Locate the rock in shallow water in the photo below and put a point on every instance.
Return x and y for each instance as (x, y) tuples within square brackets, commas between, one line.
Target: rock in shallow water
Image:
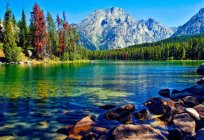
[(165, 93), (175, 134), (122, 114), (195, 91), (201, 70), (159, 106), (143, 115), (107, 107), (135, 132), (185, 123), (201, 81)]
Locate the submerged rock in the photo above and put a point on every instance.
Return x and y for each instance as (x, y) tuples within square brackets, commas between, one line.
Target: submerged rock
[(200, 123), (165, 93), (107, 107), (185, 123), (143, 115), (201, 81), (135, 132), (200, 109), (195, 91), (122, 114), (201, 70)]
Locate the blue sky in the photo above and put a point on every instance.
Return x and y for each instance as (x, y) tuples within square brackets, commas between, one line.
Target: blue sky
[(167, 12)]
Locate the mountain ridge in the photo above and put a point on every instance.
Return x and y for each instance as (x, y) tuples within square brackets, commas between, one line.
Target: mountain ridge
[(113, 28)]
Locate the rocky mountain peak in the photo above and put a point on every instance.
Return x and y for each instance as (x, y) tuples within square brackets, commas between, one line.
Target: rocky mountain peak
[(113, 28)]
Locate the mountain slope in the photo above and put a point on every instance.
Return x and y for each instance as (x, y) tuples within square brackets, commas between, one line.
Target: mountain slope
[(113, 28), (194, 26)]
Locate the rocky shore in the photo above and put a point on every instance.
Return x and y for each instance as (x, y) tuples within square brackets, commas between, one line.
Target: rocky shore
[(176, 115)]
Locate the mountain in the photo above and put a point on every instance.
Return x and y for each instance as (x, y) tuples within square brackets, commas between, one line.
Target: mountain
[(194, 26), (113, 28)]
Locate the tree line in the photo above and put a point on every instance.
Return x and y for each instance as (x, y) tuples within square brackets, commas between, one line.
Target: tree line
[(171, 49), (45, 37)]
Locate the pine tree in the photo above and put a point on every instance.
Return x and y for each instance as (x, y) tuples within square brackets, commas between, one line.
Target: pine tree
[(61, 37), (52, 39), (39, 31), (1, 31), (10, 48), (23, 32)]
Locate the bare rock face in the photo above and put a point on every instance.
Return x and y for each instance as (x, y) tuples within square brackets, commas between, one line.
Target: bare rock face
[(113, 28), (194, 26), (135, 132), (185, 123)]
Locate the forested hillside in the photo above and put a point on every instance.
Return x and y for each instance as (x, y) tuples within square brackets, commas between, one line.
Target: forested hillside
[(179, 48)]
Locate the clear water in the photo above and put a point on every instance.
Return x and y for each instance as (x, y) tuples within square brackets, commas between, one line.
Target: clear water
[(62, 94)]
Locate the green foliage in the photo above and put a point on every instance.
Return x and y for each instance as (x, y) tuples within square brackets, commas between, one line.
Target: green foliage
[(10, 48), (23, 32), (190, 49)]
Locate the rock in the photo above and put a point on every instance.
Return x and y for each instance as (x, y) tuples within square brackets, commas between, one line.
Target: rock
[(175, 134), (135, 132), (201, 70), (201, 81), (200, 134), (122, 114), (200, 123), (195, 91), (165, 93), (107, 107), (96, 134), (89, 120), (185, 123), (159, 106), (167, 116), (200, 109), (193, 113), (30, 54), (79, 129), (143, 115), (190, 101)]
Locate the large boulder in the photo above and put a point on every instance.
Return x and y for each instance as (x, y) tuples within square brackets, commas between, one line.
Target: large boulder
[(201, 70), (135, 132), (122, 114), (159, 106), (165, 93), (195, 91), (200, 109), (185, 123)]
